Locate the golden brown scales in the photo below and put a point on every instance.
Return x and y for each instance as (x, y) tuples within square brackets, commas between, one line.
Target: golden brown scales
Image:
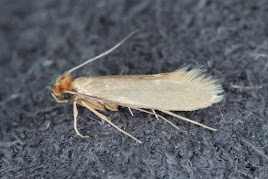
[(62, 84)]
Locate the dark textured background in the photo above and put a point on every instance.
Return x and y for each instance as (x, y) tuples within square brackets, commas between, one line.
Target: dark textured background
[(39, 40)]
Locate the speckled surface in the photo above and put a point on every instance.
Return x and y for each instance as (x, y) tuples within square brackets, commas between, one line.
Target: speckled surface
[(39, 40)]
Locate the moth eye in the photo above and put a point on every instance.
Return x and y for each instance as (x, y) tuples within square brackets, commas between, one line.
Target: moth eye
[(66, 96)]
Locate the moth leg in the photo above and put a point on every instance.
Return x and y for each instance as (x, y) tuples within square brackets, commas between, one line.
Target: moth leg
[(188, 120), (130, 111), (111, 107), (121, 73), (162, 117), (155, 114), (58, 101), (93, 104), (122, 70), (75, 111), (112, 124)]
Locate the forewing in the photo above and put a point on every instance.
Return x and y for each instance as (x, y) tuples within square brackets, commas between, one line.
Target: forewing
[(179, 91)]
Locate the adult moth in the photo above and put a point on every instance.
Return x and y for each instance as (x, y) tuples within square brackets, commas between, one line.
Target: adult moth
[(182, 90)]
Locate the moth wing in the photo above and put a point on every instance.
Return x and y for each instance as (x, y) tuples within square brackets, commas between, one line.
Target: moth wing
[(181, 90)]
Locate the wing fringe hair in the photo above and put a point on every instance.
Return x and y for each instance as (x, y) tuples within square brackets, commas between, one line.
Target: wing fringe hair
[(197, 78)]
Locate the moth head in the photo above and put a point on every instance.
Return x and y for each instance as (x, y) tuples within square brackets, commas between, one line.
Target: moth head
[(62, 85)]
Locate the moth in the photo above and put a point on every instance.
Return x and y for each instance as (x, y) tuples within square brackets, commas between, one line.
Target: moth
[(182, 90)]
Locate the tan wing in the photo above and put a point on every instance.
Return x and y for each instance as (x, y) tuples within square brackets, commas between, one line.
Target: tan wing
[(179, 91)]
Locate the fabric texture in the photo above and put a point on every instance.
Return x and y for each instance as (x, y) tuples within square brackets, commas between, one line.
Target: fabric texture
[(40, 40)]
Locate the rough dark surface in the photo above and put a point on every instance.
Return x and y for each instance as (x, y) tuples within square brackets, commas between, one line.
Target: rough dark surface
[(39, 40)]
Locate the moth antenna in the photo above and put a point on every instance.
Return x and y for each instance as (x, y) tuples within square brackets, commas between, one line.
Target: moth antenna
[(108, 51), (188, 120)]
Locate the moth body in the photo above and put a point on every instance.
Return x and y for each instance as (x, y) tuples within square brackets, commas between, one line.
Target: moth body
[(181, 90)]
